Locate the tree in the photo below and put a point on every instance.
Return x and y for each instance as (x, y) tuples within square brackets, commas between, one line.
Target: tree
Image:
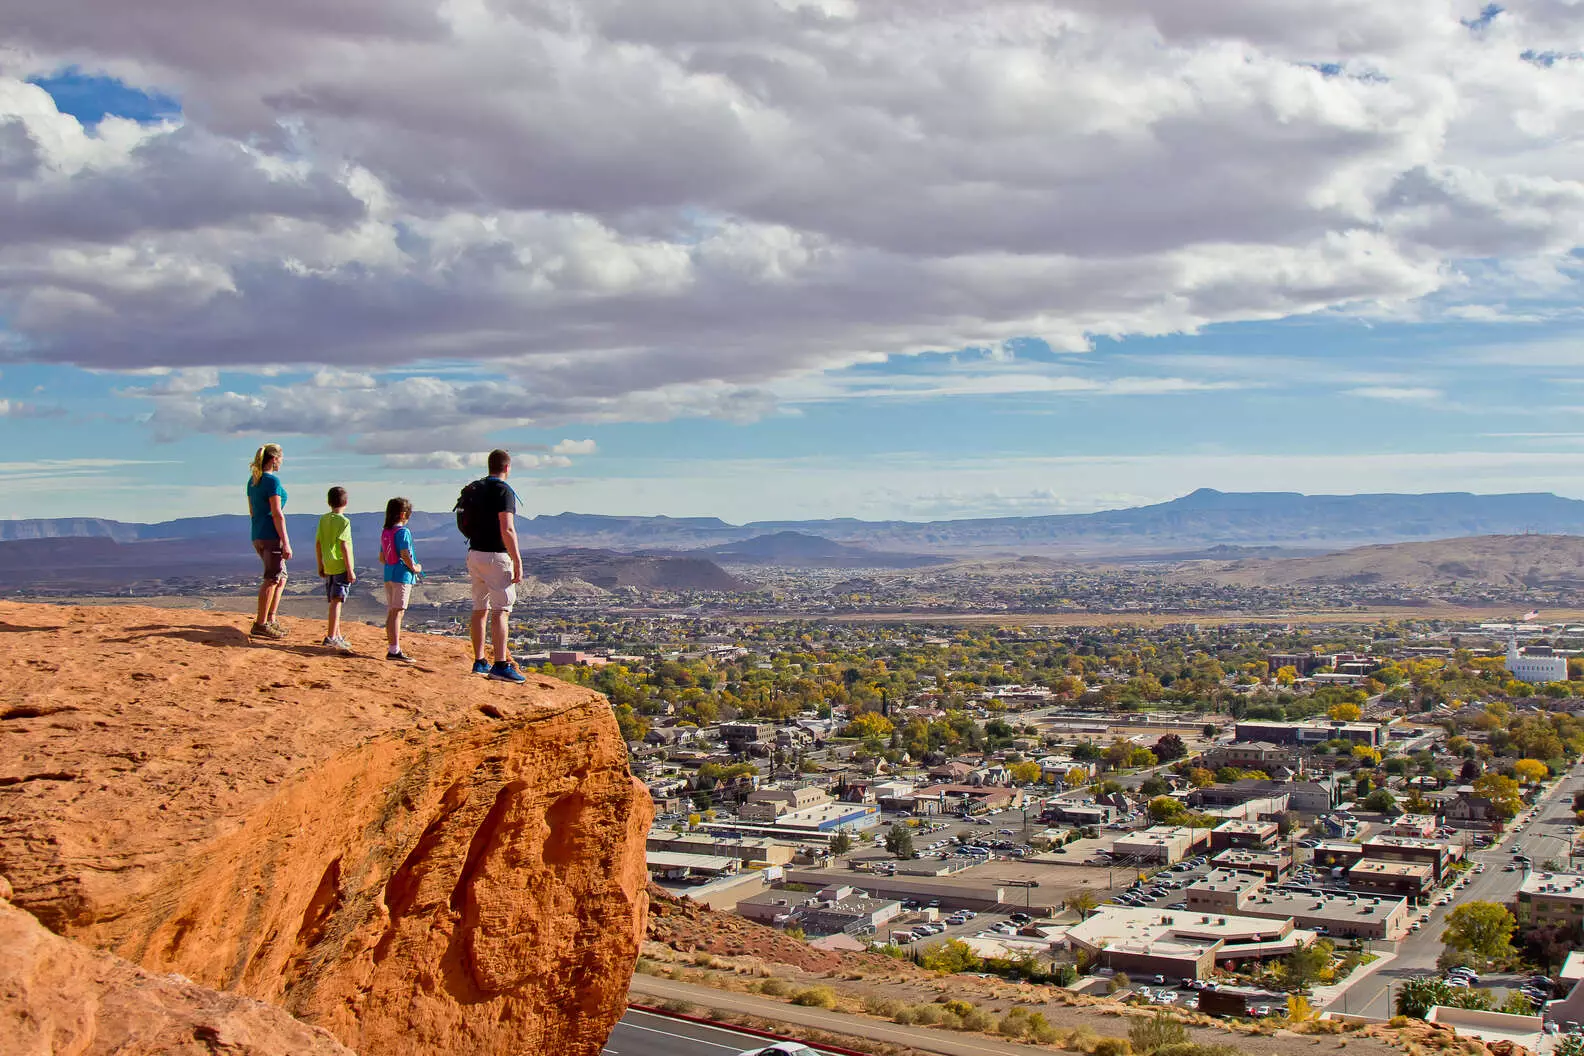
[(1210, 731), (1517, 1004), (1082, 903), (841, 843), (1166, 809), (1154, 785), (1170, 748), (1380, 801), (1299, 1009), (1502, 792), (953, 955), (1549, 945), (869, 724), (1024, 773), (1199, 777), (1484, 929), (899, 841), (1530, 771), (1345, 712), (1304, 965), (1156, 1032), (1076, 776), (1419, 994), (1363, 753)]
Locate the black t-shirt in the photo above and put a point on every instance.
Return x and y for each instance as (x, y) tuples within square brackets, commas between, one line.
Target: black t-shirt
[(492, 499)]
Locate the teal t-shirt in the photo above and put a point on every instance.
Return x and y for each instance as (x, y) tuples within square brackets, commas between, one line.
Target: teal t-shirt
[(259, 506)]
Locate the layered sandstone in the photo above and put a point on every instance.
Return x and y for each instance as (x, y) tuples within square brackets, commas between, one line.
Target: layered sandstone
[(413, 858)]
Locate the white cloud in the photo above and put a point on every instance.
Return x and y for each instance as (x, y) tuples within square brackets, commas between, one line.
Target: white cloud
[(640, 210), (1403, 395), (576, 447)]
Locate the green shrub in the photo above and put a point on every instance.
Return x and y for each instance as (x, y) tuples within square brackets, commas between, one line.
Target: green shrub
[(978, 1019), (1111, 1047), (815, 997), (1155, 1032), (774, 988), (881, 1006), (678, 1006)]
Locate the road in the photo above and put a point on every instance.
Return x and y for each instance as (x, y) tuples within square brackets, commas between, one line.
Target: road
[(1546, 835), (646, 1034), (648, 989)]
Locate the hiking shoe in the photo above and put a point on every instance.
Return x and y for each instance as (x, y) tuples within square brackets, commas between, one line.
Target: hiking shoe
[(278, 627), (266, 630), (402, 657), (481, 667), (338, 643), (506, 671)]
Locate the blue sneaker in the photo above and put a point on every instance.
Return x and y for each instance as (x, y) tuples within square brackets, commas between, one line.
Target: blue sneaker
[(481, 667), (506, 671)]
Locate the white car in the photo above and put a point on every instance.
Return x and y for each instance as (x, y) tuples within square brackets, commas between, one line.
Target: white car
[(781, 1048)]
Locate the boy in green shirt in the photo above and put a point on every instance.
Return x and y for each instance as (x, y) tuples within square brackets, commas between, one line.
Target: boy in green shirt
[(333, 548)]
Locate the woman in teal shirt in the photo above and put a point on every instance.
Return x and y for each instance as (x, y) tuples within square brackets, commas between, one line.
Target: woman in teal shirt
[(267, 511)]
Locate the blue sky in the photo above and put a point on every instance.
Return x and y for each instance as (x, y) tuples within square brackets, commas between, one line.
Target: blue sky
[(1236, 255)]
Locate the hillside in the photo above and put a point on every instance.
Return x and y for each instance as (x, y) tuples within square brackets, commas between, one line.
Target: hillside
[(1534, 562), (799, 550), (1202, 519), (414, 860)]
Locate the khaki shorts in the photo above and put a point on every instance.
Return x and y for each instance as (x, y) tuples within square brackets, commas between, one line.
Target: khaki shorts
[(491, 574), (274, 558), (397, 594)]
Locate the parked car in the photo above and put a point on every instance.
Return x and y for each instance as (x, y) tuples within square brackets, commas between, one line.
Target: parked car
[(781, 1048)]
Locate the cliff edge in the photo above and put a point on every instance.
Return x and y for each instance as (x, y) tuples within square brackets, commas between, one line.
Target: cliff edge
[(415, 859)]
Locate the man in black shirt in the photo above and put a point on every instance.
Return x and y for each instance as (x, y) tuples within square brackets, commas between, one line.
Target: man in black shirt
[(494, 566)]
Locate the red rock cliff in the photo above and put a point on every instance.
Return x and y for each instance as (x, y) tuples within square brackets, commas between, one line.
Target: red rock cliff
[(416, 859)]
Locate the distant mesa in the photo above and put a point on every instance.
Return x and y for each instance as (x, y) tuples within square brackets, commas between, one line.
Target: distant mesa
[(799, 550)]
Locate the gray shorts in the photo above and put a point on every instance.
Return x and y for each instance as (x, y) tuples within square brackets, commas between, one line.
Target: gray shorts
[(274, 558)]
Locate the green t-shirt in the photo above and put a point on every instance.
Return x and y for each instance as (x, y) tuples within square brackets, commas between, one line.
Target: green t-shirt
[(334, 528)]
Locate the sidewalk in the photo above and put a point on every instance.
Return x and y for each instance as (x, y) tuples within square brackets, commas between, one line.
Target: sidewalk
[(929, 1039), (1328, 997)]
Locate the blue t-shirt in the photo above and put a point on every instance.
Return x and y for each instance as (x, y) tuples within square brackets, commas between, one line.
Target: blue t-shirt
[(259, 505), (400, 573)]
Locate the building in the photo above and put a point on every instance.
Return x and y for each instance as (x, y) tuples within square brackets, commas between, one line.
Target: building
[(1081, 813), (1253, 755), (1435, 853), (1551, 898), (1309, 734), (1181, 944), (833, 910), (670, 865), (1251, 835), (1160, 843), (768, 804), (1301, 663), (740, 735), (1536, 664), (1409, 880), (1333, 854), (1422, 826), (1272, 863), (962, 799), (1341, 916), (749, 850)]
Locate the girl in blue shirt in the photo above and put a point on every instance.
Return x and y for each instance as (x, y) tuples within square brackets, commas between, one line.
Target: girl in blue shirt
[(401, 572)]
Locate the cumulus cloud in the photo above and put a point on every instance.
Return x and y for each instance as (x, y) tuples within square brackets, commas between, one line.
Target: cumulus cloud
[(631, 210), (575, 447)]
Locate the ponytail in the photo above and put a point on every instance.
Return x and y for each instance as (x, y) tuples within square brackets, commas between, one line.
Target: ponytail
[(260, 457)]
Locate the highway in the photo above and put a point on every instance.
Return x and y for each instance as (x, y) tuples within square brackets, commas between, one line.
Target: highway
[(646, 1034), (1546, 835)]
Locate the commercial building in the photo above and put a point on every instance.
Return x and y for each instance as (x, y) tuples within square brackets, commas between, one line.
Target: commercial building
[(1421, 826), (1253, 755), (670, 865), (1308, 734), (1343, 916), (1161, 843), (830, 911), (1436, 853), (1398, 879), (1272, 863), (768, 804), (1251, 835), (962, 799), (1551, 898), (1331, 854), (1181, 944), (750, 850)]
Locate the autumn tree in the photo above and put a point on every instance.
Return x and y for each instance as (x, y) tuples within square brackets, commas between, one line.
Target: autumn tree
[(1170, 748), (1024, 773), (1484, 929), (1502, 792), (868, 724), (1345, 712), (1530, 771)]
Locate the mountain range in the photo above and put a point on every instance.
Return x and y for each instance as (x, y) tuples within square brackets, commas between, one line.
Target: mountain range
[(1204, 518)]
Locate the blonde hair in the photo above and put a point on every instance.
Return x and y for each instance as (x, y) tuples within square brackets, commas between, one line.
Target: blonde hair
[(261, 456)]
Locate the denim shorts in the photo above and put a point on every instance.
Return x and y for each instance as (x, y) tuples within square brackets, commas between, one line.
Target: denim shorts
[(337, 586)]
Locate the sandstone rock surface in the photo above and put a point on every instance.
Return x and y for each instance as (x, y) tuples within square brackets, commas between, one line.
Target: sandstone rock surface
[(59, 998), (413, 858)]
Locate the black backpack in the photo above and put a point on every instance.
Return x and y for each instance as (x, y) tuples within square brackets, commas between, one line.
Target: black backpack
[(466, 508)]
